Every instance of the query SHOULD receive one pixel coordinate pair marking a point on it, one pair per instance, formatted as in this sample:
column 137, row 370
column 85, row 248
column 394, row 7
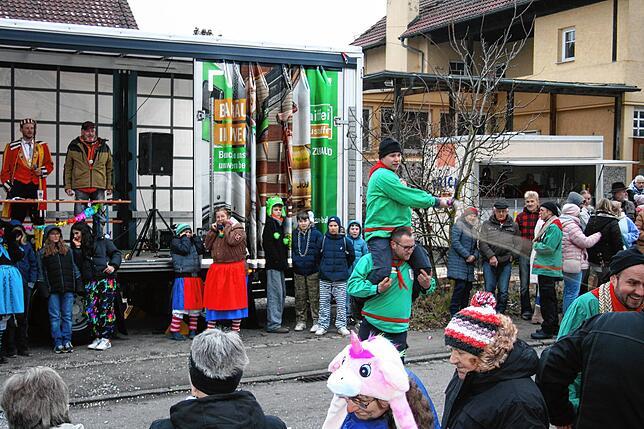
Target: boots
column 536, row 316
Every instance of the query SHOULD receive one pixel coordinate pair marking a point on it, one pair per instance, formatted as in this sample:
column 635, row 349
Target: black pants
column 398, row 340
column 16, row 337
column 548, row 304
column 20, row 211
column 583, row 286
column 460, row 296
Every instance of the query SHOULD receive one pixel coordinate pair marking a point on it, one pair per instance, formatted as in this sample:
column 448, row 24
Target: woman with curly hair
column 492, row 385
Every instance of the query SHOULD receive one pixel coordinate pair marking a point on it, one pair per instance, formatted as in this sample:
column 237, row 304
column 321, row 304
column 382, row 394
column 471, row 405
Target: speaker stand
column 150, row 223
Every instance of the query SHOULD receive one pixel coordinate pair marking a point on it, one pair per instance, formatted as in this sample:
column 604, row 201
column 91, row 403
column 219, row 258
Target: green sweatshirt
column 394, row 303
column 548, row 260
column 389, row 202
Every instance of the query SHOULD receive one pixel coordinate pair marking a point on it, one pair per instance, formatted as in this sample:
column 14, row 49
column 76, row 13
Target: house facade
column 569, row 41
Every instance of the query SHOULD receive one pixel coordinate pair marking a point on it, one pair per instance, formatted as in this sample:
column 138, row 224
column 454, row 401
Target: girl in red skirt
column 187, row 291
column 225, row 297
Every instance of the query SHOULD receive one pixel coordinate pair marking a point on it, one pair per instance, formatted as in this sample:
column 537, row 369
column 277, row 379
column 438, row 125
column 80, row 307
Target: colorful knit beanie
column 474, row 328
column 181, row 227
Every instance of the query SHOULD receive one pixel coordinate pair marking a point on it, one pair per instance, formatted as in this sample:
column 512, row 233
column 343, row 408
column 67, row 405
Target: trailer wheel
column 80, row 322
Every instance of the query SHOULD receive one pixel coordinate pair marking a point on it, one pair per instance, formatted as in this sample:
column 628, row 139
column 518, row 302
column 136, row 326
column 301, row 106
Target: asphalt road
column 302, row 405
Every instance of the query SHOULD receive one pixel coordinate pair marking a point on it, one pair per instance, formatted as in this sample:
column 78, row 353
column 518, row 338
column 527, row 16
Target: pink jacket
column 575, row 242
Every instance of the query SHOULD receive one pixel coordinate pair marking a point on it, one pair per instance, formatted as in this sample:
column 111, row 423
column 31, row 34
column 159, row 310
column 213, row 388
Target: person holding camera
column 225, row 296
column 187, row 290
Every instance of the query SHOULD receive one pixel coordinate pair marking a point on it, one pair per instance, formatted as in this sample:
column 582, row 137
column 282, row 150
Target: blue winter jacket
column 185, row 255
column 352, row 422
column 359, row 244
column 28, row 265
column 337, row 257
column 463, row 245
column 305, row 251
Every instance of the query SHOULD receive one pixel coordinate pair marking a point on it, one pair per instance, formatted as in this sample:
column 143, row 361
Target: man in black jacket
column 608, row 350
column 216, row 364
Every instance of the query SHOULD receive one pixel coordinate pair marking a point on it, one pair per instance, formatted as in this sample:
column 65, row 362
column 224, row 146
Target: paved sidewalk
column 143, row 362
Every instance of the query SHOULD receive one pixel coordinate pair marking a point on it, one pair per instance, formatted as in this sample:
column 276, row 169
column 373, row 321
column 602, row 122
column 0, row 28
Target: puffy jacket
column 639, row 222
column 604, row 350
column 499, row 240
column 275, row 251
column 79, row 173
column 359, row 244
column 306, row 251
column 236, row 410
column 105, row 252
column 28, row 265
column 337, row 257
column 185, row 254
column 58, row 273
column 575, row 242
column 611, row 243
column 503, row 398
column 548, row 260
column 463, row 245
column 629, row 230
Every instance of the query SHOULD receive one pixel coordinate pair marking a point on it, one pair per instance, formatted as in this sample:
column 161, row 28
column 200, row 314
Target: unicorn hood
column 371, row 368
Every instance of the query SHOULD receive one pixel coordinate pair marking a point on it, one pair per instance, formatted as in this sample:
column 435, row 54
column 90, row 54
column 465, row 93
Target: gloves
column 276, row 235
column 287, row 241
column 432, row 287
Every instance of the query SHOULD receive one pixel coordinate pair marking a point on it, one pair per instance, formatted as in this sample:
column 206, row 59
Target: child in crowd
column 11, row 299
column 337, row 258
column 16, row 338
column 275, row 244
column 61, row 280
column 354, row 305
column 187, row 290
column 307, row 242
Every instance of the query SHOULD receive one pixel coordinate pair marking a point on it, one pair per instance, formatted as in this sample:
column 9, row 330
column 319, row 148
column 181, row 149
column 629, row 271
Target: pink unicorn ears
column 356, row 350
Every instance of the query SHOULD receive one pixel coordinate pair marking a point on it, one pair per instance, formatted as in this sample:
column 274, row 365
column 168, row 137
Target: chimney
column 399, row 14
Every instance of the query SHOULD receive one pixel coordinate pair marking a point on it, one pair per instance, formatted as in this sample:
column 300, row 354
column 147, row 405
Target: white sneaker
column 300, row 326
column 94, row 344
column 314, row 328
column 344, row 331
column 320, row 332
column 104, row 344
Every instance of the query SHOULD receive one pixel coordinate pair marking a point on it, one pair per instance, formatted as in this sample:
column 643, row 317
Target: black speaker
column 155, row 154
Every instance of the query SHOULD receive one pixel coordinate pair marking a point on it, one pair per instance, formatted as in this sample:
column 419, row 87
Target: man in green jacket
column 389, row 203
column 548, row 266
column 387, row 309
column 88, row 167
column 624, row 292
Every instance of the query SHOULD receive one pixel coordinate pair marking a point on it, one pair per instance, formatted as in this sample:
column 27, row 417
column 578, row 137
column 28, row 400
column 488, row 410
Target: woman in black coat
column 98, row 259
column 492, row 385
column 599, row 256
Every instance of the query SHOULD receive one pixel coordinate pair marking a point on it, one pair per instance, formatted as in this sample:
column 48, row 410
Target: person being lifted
column 389, row 204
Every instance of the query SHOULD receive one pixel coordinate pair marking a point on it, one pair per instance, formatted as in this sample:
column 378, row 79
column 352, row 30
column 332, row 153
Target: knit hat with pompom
column 474, row 327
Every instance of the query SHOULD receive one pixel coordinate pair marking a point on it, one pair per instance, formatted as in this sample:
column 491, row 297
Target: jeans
column 99, row 194
column 571, row 288
column 307, row 296
column 275, row 297
column 524, row 281
column 548, row 304
column 498, row 276
column 60, row 317
column 380, row 250
column 460, row 296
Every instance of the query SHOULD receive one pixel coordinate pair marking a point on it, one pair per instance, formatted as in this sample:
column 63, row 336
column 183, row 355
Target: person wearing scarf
column 548, row 266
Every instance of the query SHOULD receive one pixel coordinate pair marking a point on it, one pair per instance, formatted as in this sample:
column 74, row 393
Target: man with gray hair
column 217, row 361
column 25, row 406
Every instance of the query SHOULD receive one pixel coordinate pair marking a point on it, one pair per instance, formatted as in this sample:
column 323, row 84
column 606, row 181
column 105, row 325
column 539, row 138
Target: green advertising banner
column 227, row 127
column 324, row 143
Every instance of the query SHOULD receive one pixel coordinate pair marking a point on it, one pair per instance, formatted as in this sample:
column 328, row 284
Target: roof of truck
column 21, row 34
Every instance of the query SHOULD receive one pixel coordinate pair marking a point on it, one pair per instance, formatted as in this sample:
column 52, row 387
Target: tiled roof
column 101, row 13
column 374, row 36
column 434, row 14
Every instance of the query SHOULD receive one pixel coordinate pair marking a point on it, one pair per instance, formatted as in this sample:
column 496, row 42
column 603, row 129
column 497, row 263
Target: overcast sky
column 303, row 22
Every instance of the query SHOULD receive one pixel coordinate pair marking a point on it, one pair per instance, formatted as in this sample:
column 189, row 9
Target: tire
column 81, row 332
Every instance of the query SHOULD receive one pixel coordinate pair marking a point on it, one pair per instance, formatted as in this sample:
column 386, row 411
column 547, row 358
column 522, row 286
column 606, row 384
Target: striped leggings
column 339, row 292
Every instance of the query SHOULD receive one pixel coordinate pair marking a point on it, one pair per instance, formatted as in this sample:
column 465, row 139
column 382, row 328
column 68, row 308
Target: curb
column 311, row 374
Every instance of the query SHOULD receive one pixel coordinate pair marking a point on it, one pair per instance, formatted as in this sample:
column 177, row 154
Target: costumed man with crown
column 25, row 166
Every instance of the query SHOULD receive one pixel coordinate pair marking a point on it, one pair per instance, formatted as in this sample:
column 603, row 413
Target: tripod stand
column 150, row 223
